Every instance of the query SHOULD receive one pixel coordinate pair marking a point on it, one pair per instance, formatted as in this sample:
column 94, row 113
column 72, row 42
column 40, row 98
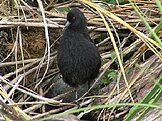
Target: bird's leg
column 76, row 93
column 76, row 96
column 89, row 84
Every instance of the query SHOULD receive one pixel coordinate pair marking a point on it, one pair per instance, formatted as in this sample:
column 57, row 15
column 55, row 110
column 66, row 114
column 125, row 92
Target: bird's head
column 75, row 20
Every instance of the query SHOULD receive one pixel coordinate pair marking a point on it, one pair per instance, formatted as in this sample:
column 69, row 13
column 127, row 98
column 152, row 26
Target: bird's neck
column 81, row 29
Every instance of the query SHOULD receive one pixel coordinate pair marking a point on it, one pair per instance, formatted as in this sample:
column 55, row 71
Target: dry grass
column 29, row 39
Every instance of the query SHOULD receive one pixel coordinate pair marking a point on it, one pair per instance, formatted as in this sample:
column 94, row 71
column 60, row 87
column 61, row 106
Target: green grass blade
column 151, row 97
column 146, row 109
column 146, row 24
column 99, row 107
column 158, row 3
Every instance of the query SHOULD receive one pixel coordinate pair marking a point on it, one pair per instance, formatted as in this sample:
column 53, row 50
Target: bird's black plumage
column 78, row 57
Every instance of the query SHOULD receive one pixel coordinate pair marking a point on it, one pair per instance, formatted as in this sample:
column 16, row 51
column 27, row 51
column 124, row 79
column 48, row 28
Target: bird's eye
column 73, row 18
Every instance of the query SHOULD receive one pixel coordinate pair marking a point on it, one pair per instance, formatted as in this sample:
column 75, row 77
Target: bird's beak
column 67, row 24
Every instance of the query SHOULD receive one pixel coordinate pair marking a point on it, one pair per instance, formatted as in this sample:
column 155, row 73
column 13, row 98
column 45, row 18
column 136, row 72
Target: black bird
column 78, row 58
